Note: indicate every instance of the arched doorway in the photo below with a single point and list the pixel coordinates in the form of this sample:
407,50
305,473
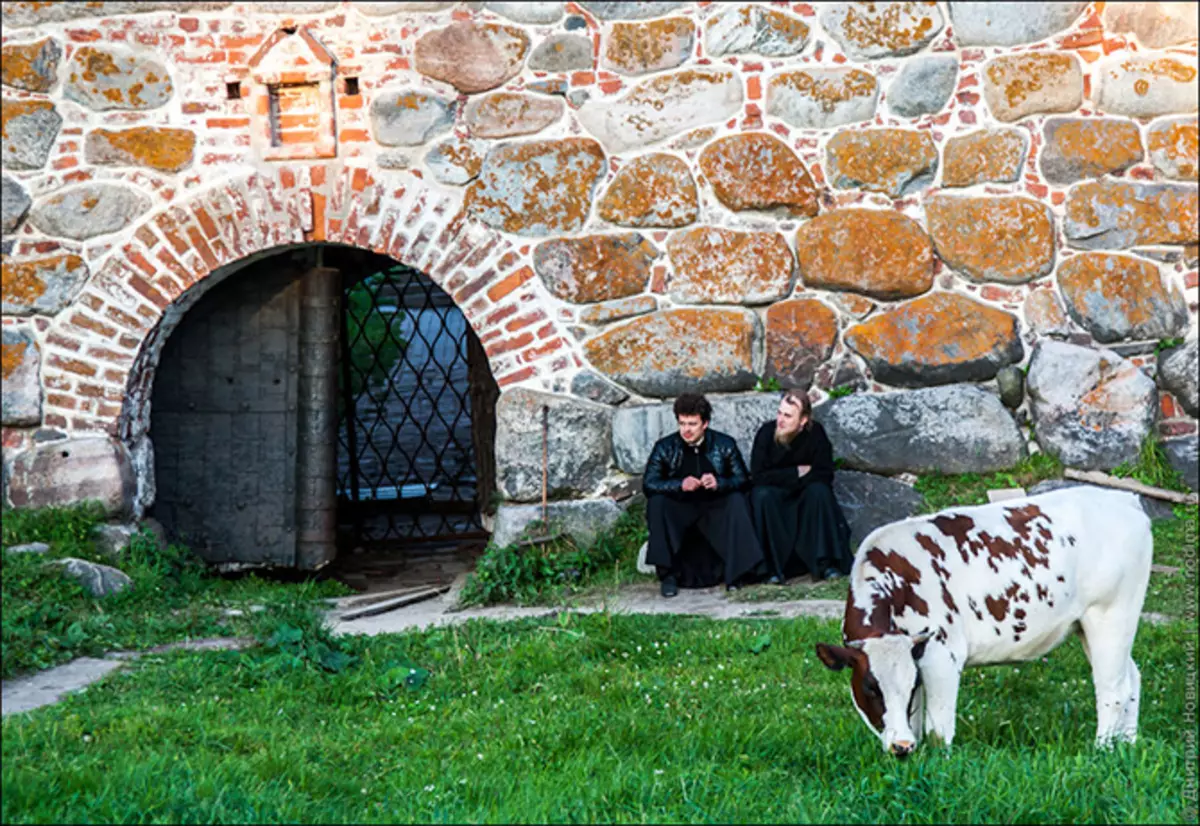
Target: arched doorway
288,436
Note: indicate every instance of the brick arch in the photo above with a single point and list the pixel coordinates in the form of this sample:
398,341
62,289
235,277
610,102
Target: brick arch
100,353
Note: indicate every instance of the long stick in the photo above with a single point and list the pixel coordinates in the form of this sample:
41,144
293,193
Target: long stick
1098,478
545,463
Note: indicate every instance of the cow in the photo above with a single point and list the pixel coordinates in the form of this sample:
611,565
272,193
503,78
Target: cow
998,583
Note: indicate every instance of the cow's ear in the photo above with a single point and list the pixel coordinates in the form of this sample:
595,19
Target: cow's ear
834,657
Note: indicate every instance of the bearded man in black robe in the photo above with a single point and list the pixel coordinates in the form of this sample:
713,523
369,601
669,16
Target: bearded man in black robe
799,523
701,531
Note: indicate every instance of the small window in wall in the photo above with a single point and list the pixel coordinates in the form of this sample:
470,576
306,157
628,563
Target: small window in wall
291,100
295,113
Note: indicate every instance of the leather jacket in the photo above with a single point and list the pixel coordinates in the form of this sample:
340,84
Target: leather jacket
664,469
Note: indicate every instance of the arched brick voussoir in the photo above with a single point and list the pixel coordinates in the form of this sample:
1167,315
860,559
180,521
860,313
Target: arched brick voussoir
101,353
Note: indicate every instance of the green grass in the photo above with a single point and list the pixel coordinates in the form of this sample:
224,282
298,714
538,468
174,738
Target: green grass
594,718
950,490
49,618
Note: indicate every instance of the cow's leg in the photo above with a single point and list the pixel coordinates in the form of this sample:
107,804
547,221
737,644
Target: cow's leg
940,676
1110,634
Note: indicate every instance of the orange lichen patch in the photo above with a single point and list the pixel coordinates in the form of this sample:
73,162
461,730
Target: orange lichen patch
595,267
697,137
505,114
1165,67
827,91
715,265
12,355
888,27
1007,239
30,66
937,338
706,349
1035,82
635,48
877,252
881,160
1119,215
22,283
614,310
775,25
1117,296
1044,314
800,336
167,150
538,187
1173,148
462,154
988,155
12,109
104,80
759,171
653,191
1089,147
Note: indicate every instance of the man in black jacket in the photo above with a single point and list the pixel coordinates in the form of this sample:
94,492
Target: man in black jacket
701,530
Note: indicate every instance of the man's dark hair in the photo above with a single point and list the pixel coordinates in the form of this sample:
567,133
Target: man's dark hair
693,404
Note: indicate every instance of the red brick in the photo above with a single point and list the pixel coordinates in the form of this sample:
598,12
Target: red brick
79,368
520,375
85,323
525,321
65,342
535,353
510,283
1166,403
510,344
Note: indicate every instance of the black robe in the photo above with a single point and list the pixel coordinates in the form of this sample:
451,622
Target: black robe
799,523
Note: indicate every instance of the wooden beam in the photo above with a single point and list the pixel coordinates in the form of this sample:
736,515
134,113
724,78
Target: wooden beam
1095,477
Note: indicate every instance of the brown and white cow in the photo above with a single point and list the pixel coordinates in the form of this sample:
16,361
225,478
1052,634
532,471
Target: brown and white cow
1005,582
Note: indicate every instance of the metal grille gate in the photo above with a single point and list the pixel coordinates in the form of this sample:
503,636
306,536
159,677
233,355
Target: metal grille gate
411,466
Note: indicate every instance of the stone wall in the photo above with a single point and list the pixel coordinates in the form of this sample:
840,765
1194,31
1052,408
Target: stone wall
627,200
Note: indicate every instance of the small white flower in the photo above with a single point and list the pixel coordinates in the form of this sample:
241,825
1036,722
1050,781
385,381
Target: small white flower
658,771
364,791
478,755
429,788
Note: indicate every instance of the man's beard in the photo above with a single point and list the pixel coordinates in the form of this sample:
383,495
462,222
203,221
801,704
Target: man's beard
783,439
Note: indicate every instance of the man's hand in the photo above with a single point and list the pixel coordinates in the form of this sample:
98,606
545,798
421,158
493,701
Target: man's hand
690,484
803,469
709,481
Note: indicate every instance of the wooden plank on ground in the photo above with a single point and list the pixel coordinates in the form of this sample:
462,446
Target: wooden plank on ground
1003,494
1095,477
393,604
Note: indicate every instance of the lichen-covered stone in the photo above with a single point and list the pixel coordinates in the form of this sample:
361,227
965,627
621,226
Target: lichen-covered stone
88,210
1044,314
1109,214
1173,148
539,14
579,437
472,57
1183,452
756,170
640,48
14,204
869,31
985,156
1144,86
583,520
1157,25
675,351
21,401
537,187
652,191
98,580
747,29
724,266
923,86
595,267
1032,83
630,11
507,114
800,336
892,161
955,429
880,253
1091,408
1116,297
937,339
822,98
1178,374
1010,24
1077,148
28,129
662,107
596,388
167,150
456,161
72,471
40,285
409,117
1008,238
21,14
562,53
104,79
31,66
608,311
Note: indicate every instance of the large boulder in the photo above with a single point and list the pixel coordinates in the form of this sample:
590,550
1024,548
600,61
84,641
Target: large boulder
72,471
98,580
1090,408
655,190
1110,214
870,501
725,266
801,334
955,429
1119,297
595,267
1182,452
508,114
1007,239
583,520
877,252
579,439
1177,374
759,171
1078,148
637,428
892,161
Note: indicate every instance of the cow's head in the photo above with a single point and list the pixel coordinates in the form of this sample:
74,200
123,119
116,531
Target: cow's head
885,684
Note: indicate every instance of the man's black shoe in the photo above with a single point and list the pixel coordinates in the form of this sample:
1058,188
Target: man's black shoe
833,573
775,579
669,588
730,588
